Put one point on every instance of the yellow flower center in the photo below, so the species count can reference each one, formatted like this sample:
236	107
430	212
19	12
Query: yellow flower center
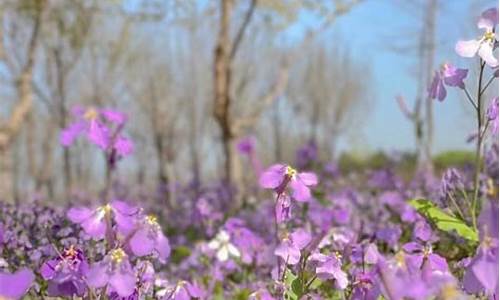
70	252
291	171
91	114
489	36
152	220
117	255
400	259
449	291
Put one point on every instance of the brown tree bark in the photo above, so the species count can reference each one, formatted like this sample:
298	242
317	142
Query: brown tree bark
11	128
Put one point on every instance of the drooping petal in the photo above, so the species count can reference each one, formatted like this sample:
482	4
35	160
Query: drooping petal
273	176
48	269
79	214
162	246
486	53
69	134
95	226
489	19
308	178
141	244
233	251
288	253
98	276
113	116
123	280
300	238
467	48
223	254
123	146
485	268
98	134
300	191
14	286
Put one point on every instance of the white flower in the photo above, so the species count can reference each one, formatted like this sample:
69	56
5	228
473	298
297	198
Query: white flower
223	247
485	45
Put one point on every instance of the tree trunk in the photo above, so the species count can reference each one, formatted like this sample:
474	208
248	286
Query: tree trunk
11	128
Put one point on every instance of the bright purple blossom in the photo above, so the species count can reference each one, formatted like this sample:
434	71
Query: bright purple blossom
115	272
449	75
485	45
14	286
66	273
279	176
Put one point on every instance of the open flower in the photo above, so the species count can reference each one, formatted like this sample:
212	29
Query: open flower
100	127
95	222
221	243
65	274
279	176
290	247
482	272
485	45
449	75
330	267
149	239
14	286
115	272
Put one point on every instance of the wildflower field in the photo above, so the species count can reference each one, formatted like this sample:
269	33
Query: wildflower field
106	209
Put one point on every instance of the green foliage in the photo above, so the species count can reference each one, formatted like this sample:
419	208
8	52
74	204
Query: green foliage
179	254
454	158
442	220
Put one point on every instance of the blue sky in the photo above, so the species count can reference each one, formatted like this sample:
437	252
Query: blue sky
369	30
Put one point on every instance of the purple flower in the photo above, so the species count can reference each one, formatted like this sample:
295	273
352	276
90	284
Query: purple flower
279	176
485	45
97	126
65	274
289	249
330	267
482	272
449	75
246	145
95	222
115	272
420	256
14	286
149	239
492	114
283	210
183	291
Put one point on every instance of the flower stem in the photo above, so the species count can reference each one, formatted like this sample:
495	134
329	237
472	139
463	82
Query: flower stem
479	142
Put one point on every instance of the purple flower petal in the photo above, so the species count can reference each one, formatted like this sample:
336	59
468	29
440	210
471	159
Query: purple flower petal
13	286
273	176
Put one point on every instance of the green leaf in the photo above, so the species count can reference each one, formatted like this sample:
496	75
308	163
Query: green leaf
442	220
291	281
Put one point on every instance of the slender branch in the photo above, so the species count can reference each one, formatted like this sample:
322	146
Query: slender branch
469	97
487	84
242	29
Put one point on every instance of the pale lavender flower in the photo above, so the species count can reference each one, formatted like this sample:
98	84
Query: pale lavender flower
290	247
149	238
485	45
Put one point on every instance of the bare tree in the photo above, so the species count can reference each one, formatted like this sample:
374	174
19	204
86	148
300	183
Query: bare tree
11	127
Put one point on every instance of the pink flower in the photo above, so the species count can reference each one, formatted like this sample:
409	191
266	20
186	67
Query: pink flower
485	45
279	176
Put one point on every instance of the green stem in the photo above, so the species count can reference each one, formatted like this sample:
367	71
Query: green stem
479	116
